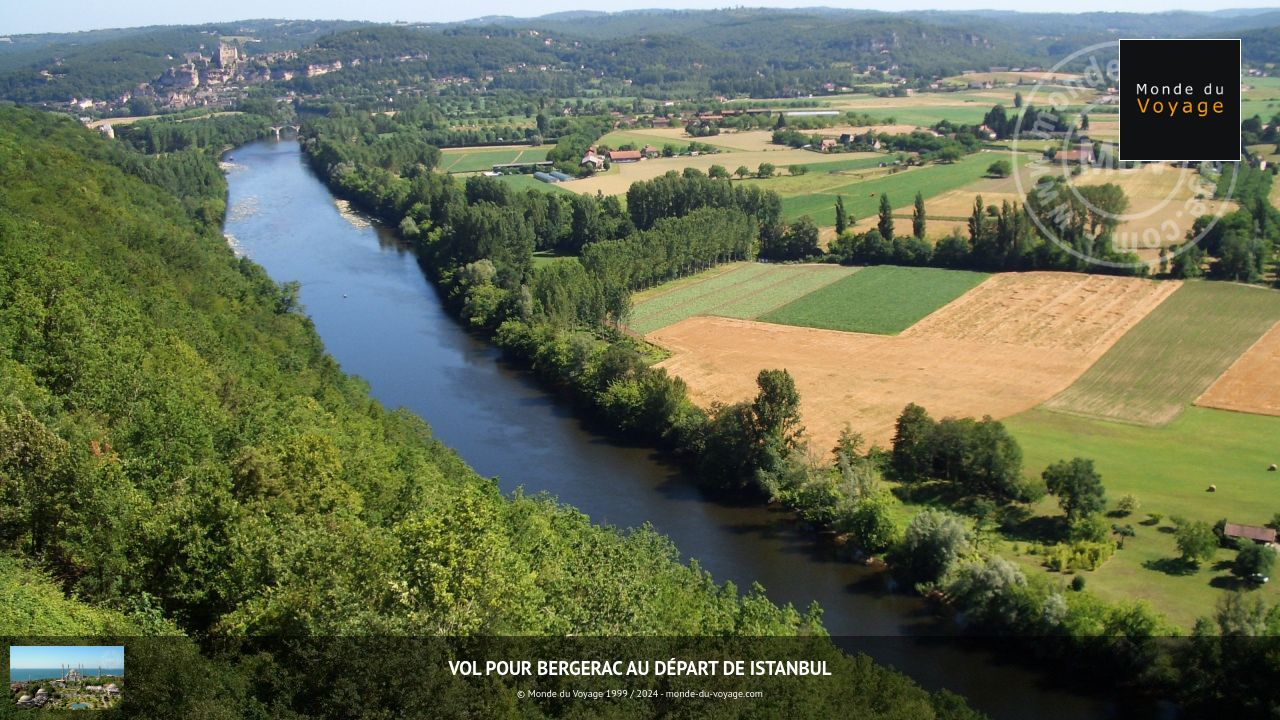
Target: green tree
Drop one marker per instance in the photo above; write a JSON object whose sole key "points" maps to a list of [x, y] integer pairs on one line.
{"points": [[1196, 541], [765, 170], [1078, 487], [912, 455], [999, 169], [842, 220], [934, 541], [885, 224], [742, 171], [917, 217], [777, 407], [1253, 559], [718, 172]]}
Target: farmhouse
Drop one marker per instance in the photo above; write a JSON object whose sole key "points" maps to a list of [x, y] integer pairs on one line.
{"points": [[624, 156], [1263, 535], [591, 158], [1083, 155], [828, 144], [650, 151]]}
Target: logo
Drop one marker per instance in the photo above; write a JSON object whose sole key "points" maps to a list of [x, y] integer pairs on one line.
{"points": [[1079, 192]]}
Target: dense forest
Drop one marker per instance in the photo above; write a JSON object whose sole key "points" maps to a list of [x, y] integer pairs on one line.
{"points": [[179, 455]]}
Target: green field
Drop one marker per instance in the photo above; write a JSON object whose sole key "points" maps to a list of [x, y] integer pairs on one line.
{"points": [[743, 290], [862, 198], [1172, 355], [529, 182], [885, 299], [1169, 469], [460, 160]]}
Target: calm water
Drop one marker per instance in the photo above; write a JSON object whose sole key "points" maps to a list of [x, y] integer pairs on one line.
{"points": [[383, 321], [19, 674]]}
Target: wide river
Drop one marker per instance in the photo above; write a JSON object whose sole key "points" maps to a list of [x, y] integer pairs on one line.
{"points": [[382, 320]]}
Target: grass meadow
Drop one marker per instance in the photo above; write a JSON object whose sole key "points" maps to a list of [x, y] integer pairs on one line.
{"points": [[477, 159], [1169, 469]]}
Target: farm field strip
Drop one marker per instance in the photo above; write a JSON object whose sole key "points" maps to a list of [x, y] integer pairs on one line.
{"points": [[1252, 383], [744, 292], [460, 160], [862, 198], [1173, 355], [885, 299], [950, 361]]}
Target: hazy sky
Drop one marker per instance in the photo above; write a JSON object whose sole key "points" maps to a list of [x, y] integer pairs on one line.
{"points": [[26, 16], [52, 656]]}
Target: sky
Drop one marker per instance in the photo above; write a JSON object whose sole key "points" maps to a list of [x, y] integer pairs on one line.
{"points": [[52, 656], [18, 17]]}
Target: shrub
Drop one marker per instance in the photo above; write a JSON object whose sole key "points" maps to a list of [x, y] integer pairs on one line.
{"points": [[1077, 583], [871, 525], [1127, 505]]}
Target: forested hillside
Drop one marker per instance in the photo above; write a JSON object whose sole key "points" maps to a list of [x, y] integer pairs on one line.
{"points": [[178, 451]]}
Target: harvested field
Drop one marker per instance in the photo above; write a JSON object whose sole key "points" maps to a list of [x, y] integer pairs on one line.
{"points": [[1003, 348], [746, 291], [885, 299], [1049, 310], [1172, 356], [1252, 383]]}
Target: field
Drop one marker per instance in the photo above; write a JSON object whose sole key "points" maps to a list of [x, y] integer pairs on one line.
{"points": [[621, 175], [741, 290], [1169, 469], [885, 299], [1002, 348], [526, 182], [1252, 383], [862, 197], [476, 159], [1172, 356]]}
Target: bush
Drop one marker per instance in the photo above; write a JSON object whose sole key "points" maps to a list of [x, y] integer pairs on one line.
{"points": [[1127, 505], [999, 169], [871, 525], [1081, 555], [1253, 560], [1077, 583]]}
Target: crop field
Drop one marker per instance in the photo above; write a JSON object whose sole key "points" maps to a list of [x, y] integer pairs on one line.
{"points": [[1000, 349], [527, 182], [476, 159], [1252, 383], [622, 175], [885, 299], [1172, 356], [747, 290], [862, 198], [1169, 469]]}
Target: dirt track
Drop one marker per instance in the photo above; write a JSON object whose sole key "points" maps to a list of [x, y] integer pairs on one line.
{"points": [[1003, 348], [1252, 383]]}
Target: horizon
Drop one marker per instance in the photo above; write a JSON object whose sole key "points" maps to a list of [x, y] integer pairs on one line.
{"points": [[83, 16], [47, 657]]}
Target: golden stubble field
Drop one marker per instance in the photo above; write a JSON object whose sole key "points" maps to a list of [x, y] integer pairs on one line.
{"points": [[1004, 347], [1252, 383]]}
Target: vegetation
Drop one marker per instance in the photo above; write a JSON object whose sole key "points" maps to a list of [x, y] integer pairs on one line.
{"points": [[1138, 380], [885, 299], [188, 458]]}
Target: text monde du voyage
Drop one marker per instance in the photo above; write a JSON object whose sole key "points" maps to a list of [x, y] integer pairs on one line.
{"points": [[638, 668], [1180, 99]]}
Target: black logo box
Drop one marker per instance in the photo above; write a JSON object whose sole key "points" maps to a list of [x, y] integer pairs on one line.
{"points": [[1180, 137]]}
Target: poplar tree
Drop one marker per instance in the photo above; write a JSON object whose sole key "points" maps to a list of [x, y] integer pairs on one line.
{"points": [[917, 219], [886, 218]]}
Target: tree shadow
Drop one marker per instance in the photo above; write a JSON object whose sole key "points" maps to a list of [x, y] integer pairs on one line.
{"points": [[1230, 582], [1168, 530], [1171, 566]]}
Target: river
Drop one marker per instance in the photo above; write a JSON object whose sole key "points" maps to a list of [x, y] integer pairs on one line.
{"points": [[382, 320]]}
